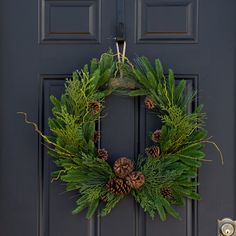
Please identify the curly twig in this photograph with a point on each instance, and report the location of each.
(217, 148)
(41, 134)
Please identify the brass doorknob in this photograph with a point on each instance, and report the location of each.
(226, 227)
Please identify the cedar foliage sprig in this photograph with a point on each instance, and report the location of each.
(73, 125)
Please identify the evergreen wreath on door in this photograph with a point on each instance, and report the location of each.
(164, 176)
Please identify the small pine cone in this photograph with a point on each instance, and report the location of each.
(156, 136)
(123, 166)
(149, 103)
(167, 192)
(118, 187)
(135, 179)
(97, 136)
(102, 154)
(95, 107)
(153, 151)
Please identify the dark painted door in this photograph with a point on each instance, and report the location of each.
(43, 41)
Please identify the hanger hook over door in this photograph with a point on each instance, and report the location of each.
(120, 21)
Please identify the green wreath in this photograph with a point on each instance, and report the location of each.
(158, 179)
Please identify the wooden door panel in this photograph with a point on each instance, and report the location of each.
(166, 21)
(67, 22)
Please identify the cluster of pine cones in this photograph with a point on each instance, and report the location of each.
(126, 178)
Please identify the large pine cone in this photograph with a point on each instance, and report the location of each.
(167, 192)
(123, 166)
(95, 107)
(135, 179)
(156, 136)
(153, 151)
(102, 154)
(149, 103)
(118, 186)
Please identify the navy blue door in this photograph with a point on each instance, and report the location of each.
(43, 41)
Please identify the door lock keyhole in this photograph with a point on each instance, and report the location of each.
(226, 227)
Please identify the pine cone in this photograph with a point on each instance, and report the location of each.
(156, 136)
(102, 154)
(97, 136)
(167, 192)
(95, 107)
(149, 103)
(153, 151)
(123, 166)
(118, 186)
(135, 179)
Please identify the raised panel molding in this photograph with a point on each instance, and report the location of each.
(171, 21)
(68, 22)
(55, 207)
